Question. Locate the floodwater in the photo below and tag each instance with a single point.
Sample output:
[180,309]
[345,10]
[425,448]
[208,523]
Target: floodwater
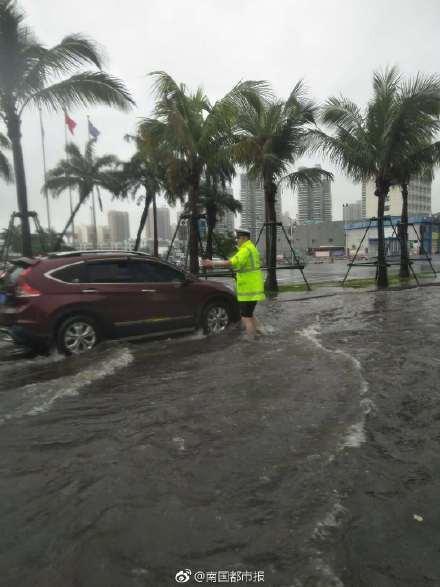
[316,271]
[311,455]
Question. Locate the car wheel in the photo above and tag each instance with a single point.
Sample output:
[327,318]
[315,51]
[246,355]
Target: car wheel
[77,335]
[216,318]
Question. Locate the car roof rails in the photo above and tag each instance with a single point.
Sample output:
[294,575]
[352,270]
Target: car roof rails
[95,252]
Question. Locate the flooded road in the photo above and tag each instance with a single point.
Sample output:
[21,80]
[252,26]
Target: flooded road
[311,455]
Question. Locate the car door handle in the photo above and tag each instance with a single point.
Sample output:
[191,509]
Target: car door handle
[89,291]
[148,290]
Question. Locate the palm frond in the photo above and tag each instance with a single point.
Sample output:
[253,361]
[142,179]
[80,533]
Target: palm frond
[4,142]
[311,176]
[341,112]
[5,168]
[164,86]
[14,38]
[83,89]
[57,185]
[106,161]
[73,52]
[72,150]
[386,82]
[347,152]
[89,152]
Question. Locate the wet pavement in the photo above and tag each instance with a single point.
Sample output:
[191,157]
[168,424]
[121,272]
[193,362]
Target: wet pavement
[311,455]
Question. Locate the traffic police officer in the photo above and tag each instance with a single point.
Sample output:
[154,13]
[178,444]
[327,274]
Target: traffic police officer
[250,279]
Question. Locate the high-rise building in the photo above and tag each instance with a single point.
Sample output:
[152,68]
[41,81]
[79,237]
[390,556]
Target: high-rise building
[315,201]
[225,222]
[85,234]
[352,212]
[364,199]
[225,219]
[104,239]
[253,210]
[119,227]
[286,220]
[419,199]
[163,224]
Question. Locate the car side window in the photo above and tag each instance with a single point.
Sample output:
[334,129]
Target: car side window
[71,274]
[151,272]
[116,271]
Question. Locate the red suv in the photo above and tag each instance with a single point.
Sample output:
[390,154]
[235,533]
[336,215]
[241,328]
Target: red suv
[76,299]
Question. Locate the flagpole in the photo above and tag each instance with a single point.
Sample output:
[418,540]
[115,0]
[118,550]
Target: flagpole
[95,228]
[70,189]
[43,150]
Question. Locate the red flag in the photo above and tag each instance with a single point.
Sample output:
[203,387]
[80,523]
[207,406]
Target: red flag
[70,122]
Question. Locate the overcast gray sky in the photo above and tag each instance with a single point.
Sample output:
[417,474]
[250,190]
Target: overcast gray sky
[333,44]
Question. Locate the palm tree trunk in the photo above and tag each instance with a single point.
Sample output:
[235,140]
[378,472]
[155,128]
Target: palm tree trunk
[155,239]
[382,273]
[142,222]
[14,134]
[193,201]
[211,217]
[403,229]
[270,191]
[69,222]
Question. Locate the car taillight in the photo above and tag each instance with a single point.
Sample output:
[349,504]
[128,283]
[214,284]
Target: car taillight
[23,289]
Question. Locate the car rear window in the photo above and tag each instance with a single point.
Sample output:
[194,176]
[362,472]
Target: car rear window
[149,271]
[111,272]
[71,274]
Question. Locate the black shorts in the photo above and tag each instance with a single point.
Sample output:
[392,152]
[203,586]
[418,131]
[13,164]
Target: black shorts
[247,309]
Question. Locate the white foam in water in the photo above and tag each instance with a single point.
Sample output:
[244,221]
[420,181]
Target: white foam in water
[327,574]
[12,365]
[332,520]
[37,398]
[180,442]
[356,433]
[354,438]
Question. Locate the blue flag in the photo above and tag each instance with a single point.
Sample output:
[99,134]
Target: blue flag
[93,131]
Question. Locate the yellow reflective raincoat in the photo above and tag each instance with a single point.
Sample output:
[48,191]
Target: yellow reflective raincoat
[250,279]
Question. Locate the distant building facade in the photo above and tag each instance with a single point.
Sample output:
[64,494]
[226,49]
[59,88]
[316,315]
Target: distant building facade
[315,201]
[419,199]
[253,208]
[364,199]
[309,237]
[104,239]
[252,203]
[423,236]
[226,219]
[225,223]
[353,211]
[85,234]
[119,226]
[163,224]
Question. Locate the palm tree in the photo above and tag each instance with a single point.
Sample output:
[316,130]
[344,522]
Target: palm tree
[421,164]
[5,167]
[216,201]
[141,172]
[83,172]
[373,145]
[272,135]
[419,108]
[192,134]
[31,74]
